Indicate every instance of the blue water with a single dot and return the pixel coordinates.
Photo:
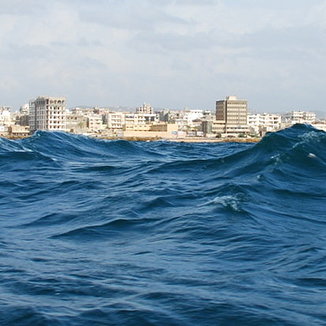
(96, 232)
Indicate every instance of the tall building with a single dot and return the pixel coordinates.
(47, 113)
(233, 113)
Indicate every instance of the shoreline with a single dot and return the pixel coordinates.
(175, 140)
(216, 140)
(187, 140)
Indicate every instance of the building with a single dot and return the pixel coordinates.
(21, 118)
(17, 131)
(192, 115)
(24, 109)
(135, 119)
(47, 113)
(213, 128)
(169, 116)
(233, 113)
(95, 122)
(299, 117)
(156, 130)
(261, 123)
(145, 109)
(76, 123)
(5, 116)
(115, 120)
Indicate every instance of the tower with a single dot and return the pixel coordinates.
(233, 112)
(48, 113)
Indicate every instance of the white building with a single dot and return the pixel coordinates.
(191, 115)
(47, 113)
(5, 116)
(299, 117)
(264, 122)
(134, 119)
(95, 122)
(145, 109)
(187, 119)
(24, 109)
(115, 120)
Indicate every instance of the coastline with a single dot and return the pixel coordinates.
(179, 140)
(189, 140)
(215, 140)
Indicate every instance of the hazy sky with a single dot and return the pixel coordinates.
(169, 53)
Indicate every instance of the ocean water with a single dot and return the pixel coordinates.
(96, 232)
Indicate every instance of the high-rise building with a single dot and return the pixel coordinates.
(233, 112)
(47, 113)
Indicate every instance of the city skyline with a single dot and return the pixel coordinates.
(172, 54)
(231, 119)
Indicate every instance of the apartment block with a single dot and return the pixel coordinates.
(134, 119)
(47, 113)
(261, 123)
(299, 117)
(95, 122)
(115, 120)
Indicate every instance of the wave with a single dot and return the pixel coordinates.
(299, 144)
(118, 232)
(72, 146)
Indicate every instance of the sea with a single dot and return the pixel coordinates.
(112, 232)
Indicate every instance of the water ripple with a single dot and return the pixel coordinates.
(157, 233)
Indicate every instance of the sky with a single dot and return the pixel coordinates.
(170, 53)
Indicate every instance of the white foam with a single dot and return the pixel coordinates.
(226, 201)
(312, 155)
